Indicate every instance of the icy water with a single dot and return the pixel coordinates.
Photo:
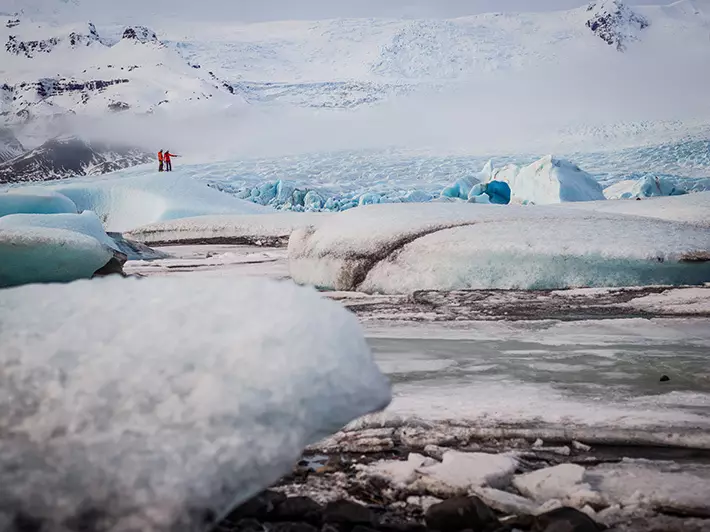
(610, 384)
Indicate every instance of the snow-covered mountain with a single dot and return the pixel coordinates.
(67, 157)
(51, 71)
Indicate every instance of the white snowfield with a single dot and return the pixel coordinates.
(402, 248)
(236, 228)
(136, 402)
(41, 248)
(125, 203)
(690, 208)
(549, 180)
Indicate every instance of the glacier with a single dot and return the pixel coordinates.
(403, 248)
(43, 248)
(160, 404)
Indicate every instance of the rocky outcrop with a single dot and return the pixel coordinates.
(67, 157)
(140, 34)
(10, 147)
(32, 47)
(615, 23)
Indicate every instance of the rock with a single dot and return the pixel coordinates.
(461, 513)
(258, 507)
(140, 34)
(565, 520)
(113, 267)
(348, 512)
(665, 378)
(614, 22)
(299, 509)
(291, 527)
(246, 525)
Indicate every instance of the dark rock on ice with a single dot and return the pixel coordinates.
(665, 378)
(140, 34)
(565, 520)
(461, 513)
(615, 23)
(348, 512)
(299, 509)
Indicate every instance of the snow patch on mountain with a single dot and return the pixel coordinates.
(10, 147)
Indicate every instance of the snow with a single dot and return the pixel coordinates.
(558, 482)
(645, 187)
(686, 301)
(41, 248)
(691, 208)
(399, 472)
(34, 201)
(125, 203)
(153, 411)
(235, 227)
(549, 180)
(402, 248)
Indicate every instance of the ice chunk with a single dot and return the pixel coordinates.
(34, 200)
(464, 471)
(645, 187)
(499, 192)
(401, 473)
(124, 203)
(460, 188)
(158, 404)
(271, 228)
(407, 247)
(549, 180)
(40, 248)
(558, 482)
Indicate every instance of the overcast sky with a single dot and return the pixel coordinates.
(260, 10)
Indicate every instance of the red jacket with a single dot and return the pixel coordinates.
(167, 155)
(160, 156)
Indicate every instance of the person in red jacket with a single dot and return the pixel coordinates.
(160, 161)
(168, 163)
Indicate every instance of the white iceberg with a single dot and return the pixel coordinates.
(549, 180)
(270, 228)
(34, 200)
(41, 248)
(124, 203)
(646, 187)
(159, 404)
(403, 248)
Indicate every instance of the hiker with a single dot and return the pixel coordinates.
(168, 164)
(160, 161)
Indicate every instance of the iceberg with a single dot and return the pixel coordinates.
(42, 248)
(160, 404)
(34, 200)
(549, 180)
(646, 187)
(124, 203)
(404, 248)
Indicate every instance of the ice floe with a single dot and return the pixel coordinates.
(157, 404)
(402, 248)
(39, 248)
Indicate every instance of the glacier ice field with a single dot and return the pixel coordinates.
(344, 179)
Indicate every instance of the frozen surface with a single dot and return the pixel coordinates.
(34, 201)
(141, 406)
(549, 180)
(38, 248)
(595, 381)
(236, 228)
(676, 301)
(124, 203)
(402, 248)
(691, 208)
(465, 471)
